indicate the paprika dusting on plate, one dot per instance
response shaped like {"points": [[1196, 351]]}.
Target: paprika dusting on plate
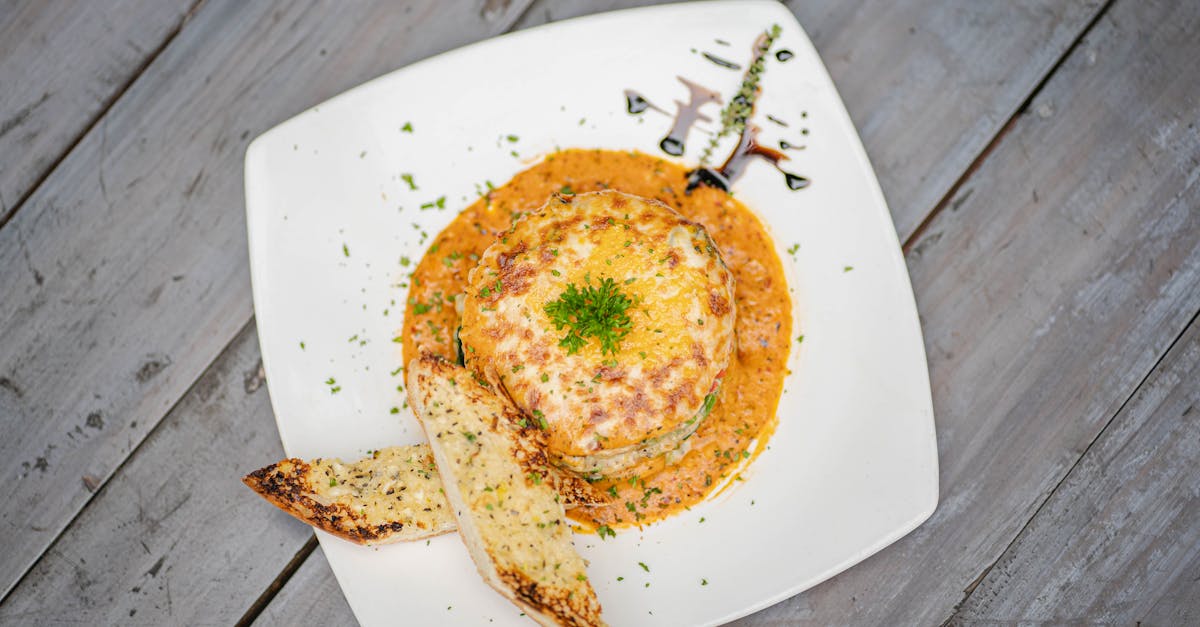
{"points": [[745, 408]]}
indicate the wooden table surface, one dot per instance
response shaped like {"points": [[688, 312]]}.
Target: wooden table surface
{"points": [[1041, 159]]}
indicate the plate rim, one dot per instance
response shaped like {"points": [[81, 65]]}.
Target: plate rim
{"points": [[930, 488]]}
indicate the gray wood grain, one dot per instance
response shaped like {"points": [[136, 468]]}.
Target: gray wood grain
{"points": [[311, 597], [1119, 542], [174, 538], [842, 29], [206, 302], [1054, 281], [61, 65], [929, 84], [125, 274]]}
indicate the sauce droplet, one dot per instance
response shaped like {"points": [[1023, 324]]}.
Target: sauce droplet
{"points": [[784, 55], [721, 62], [795, 181], [635, 103], [671, 146]]}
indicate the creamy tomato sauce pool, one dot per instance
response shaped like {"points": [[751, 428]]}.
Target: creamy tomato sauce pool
{"points": [[745, 410]]}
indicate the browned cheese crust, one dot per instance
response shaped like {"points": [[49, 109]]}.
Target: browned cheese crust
{"points": [[605, 410]]}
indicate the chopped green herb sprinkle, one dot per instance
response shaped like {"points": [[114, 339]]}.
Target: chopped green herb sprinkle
{"points": [[593, 312]]}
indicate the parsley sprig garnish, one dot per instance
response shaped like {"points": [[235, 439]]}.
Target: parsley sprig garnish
{"points": [[592, 312]]}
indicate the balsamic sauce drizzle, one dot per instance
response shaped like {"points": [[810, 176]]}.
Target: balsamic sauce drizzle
{"points": [[747, 150], [686, 115], [748, 147], [721, 62], [636, 103]]}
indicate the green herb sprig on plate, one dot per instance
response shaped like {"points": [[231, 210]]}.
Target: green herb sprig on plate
{"points": [[592, 312]]}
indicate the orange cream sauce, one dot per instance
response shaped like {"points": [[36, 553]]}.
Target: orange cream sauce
{"points": [[745, 410]]}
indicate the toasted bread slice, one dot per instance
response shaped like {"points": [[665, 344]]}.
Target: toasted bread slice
{"points": [[511, 520], [392, 496], [395, 495]]}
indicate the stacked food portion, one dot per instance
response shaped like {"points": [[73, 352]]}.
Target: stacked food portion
{"points": [[595, 333]]}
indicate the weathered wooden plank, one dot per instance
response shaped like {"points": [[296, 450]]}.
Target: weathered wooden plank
{"points": [[311, 597], [61, 65], [929, 84], [985, 52], [1119, 542], [166, 540], [1054, 281], [125, 273]]}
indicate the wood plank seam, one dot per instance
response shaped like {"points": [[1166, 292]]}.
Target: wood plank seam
{"points": [[303, 554], [280, 581], [7, 213], [1137, 389], [100, 487], [486, 10], [946, 200], [949, 198]]}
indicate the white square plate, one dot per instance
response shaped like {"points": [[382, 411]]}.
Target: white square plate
{"points": [[853, 464]]}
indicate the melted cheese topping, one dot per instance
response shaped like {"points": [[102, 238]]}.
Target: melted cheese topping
{"points": [[604, 410], [744, 411]]}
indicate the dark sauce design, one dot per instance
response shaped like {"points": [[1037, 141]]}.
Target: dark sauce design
{"points": [[747, 149], [686, 115], [636, 103], [721, 42], [734, 118], [721, 62]]}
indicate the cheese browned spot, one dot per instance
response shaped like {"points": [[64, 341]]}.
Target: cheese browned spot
{"points": [[513, 523], [606, 407], [392, 496]]}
